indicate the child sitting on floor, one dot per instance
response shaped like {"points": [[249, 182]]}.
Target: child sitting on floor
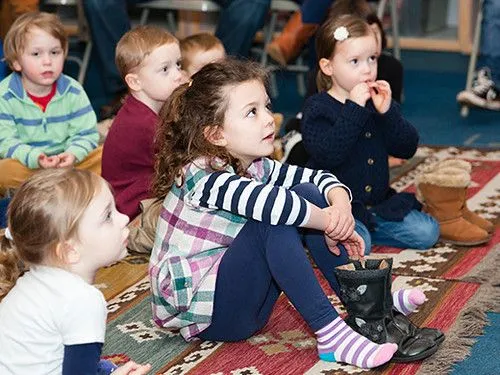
{"points": [[148, 59], [352, 126], [63, 224], [199, 50], [219, 262], [46, 120]]}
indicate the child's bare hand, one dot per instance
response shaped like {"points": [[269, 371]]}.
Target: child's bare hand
{"points": [[360, 93], [332, 245], [132, 368], [46, 162], [341, 223], [66, 159], [381, 94], [355, 246]]}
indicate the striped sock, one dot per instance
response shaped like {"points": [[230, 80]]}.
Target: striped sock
{"points": [[406, 301], [337, 342]]}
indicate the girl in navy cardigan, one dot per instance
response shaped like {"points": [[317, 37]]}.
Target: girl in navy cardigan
{"points": [[351, 127]]}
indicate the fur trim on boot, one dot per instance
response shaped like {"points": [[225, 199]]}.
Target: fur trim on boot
{"points": [[443, 193], [468, 215], [454, 163], [452, 170]]}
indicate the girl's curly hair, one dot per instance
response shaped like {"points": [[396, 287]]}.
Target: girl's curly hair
{"points": [[193, 108]]}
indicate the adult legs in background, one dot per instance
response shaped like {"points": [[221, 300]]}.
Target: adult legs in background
{"points": [[238, 22], [485, 90], [490, 34], [108, 21], [315, 11], [298, 31]]}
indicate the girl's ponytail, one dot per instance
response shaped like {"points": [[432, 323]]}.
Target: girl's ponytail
{"points": [[167, 140], [9, 264]]}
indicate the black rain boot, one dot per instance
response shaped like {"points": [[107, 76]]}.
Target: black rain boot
{"points": [[365, 292], [406, 324]]}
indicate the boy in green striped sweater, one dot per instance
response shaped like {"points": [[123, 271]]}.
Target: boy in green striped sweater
{"points": [[46, 120]]}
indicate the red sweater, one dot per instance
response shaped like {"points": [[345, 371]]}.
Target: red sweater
{"points": [[128, 155]]}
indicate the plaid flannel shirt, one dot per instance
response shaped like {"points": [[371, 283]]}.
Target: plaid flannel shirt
{"points": [[200, 220]]}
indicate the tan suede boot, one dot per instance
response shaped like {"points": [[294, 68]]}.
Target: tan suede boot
{"points": [[443, 195], [450, 167], [289, 43]]}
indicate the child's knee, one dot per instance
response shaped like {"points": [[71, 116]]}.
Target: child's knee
{"points": [[310, 192], [426, 234]]}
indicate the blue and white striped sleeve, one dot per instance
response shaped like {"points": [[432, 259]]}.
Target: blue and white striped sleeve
{"points": [[291, 175], [246, 197]]}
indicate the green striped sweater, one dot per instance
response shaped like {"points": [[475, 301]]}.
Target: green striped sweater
{"points": [[68, 123]]}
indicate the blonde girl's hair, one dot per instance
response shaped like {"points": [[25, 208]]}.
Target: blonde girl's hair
{"points": [[137, 44], [191, 108], [326, 42], [45, 211], [197, 42], [16, 38]]}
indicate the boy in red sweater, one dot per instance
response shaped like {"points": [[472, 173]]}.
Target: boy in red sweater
{"points": [[148, 59]]}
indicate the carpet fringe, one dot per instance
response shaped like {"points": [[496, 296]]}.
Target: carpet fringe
{"points": [[486, 271], [463, 334]]}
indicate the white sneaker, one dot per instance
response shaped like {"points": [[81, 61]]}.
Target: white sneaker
{"points": [[483, 93]]}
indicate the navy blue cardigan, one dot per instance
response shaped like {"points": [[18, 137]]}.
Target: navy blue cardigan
{"points": [[354, 143]]}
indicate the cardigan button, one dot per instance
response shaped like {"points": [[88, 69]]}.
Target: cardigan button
{"points": [[368, 135], [368, 188], [370, 161]]}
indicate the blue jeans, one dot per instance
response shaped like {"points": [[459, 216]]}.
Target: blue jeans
{"points": [[416, 231], [108, 21], [490, 35], [238, 22], [264, 260]]}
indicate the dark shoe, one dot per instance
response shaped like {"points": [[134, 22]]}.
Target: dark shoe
{"points": [[483, 93], [407, 325], [365, 291]]}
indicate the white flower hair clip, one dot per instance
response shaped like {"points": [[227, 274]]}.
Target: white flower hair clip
{"points": [[341, 33], [7, 234]]}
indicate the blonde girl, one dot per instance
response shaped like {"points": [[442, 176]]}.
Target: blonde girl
{"points": [[228, 238], [351, 127], [63, 224]]}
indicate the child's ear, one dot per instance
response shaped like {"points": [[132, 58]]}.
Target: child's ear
{"points": [[67, 253], [215, 136], [133, 82], [16, 66], [326, 66]]}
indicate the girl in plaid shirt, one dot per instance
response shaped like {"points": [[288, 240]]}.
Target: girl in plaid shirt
{"points": [[228, 240]]}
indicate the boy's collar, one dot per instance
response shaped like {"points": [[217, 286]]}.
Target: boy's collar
{"points": [[16, 84]]}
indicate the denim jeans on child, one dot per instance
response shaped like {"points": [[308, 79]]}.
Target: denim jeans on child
{"points": [[416, 231]]}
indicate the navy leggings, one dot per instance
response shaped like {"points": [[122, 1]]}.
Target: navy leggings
{"points": [[264, 260]]}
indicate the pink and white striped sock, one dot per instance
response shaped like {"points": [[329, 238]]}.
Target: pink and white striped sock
{"points": [[337, 342], [406, 301]]}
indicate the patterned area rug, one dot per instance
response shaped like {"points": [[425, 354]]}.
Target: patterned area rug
{"points": [[461, 284]]}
